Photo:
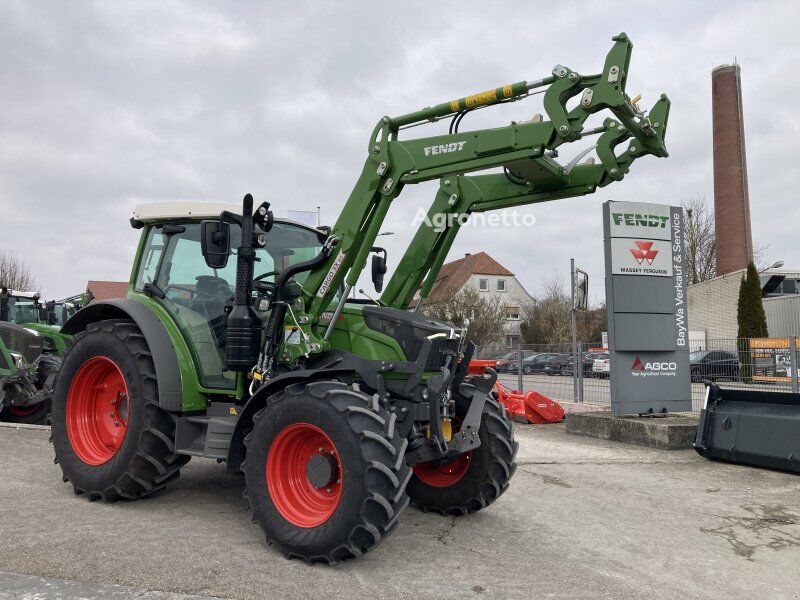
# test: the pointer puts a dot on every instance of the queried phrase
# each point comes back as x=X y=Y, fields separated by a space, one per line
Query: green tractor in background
x=27 y=375
x=238 y=340
x=35 y=346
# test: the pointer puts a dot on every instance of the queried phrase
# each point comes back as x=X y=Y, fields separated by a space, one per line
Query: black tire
x=38 y=414
x=145 y=461
x=490 y=468
x=373 y=471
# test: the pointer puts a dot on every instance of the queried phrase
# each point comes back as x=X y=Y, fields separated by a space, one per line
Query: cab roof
x=160 y=211
x=154 y=212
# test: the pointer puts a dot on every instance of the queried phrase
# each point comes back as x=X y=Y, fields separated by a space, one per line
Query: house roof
x=107 y=290
x=453 y=275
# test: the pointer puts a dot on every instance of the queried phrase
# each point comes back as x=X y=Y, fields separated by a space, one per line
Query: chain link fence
x=758 y=364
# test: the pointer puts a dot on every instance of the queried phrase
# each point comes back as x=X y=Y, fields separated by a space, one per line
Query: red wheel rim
x=97 y=410
x=301 y=500
x=442 y=475
x=24 y=411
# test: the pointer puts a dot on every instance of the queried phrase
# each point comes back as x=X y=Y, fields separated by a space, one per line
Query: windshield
x=23 y=310
x=698 y=355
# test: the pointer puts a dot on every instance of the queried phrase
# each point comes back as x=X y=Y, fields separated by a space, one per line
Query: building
x=106 y=290
x=713 y=304
x=488 y=277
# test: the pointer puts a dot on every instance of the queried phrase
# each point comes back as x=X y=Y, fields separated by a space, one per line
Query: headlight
x=19 y=360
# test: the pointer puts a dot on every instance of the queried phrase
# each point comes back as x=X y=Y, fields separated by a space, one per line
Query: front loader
x=238 y=340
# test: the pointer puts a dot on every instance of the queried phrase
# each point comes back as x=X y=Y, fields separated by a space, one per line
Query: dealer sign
x=646 y=304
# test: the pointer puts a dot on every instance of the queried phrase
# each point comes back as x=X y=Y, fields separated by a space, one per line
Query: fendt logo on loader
x=444 y=148
x=648 y=369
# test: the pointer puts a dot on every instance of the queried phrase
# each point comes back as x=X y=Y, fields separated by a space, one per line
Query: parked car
x=588 y=362
x=557 y=365
x=536 y=363
x=601 y=367
x=714 y=364
x=512 y=365
x=503 y=361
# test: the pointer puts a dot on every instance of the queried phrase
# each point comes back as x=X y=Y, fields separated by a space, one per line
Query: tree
x=751 y=316
x=700 y=240
x=547 y=320
x=487 y=317
x=14 y=272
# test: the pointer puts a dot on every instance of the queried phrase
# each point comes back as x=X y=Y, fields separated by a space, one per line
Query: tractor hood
x=21 y=340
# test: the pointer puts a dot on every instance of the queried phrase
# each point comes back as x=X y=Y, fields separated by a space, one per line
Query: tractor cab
x=21 y=307
x=171 y=270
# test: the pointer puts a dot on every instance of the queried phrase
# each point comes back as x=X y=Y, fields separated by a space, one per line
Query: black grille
x=21 y=340
x=410 y=330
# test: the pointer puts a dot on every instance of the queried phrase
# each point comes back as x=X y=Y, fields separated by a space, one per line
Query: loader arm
x=521 y=148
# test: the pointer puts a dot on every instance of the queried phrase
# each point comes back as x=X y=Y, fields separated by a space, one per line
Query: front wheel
x=475 y=479
x=325 y=471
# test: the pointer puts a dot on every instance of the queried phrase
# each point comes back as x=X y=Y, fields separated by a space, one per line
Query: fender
x=170 y=392
x=259 y=400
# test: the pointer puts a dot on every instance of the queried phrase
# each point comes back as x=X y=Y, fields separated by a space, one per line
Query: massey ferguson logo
x=649 y=369
x=644 y=252
x=444 y=148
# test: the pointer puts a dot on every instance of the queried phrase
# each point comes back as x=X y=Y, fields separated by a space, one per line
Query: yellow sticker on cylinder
x=454 y=105
x=482 y=98
x=507 y=91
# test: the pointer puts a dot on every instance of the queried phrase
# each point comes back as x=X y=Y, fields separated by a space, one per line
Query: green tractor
x=27 y=375
x=238 y=340
x=27 y=325
x=26 y=308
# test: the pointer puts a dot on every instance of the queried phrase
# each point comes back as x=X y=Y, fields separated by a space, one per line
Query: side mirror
x=378 y=269
x=581 y=290
x=215 y=243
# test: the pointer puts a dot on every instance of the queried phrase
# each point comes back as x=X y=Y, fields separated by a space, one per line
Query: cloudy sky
x=105 y=105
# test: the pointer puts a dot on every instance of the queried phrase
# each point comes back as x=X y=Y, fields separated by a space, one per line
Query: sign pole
x=574 y=333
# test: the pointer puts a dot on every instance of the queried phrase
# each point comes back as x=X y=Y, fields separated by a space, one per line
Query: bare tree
x=487 y=317
x=14 y=272
x=547 y=320
x=700 y=239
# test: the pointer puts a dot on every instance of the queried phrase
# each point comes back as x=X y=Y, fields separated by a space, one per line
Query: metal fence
x=766 y=364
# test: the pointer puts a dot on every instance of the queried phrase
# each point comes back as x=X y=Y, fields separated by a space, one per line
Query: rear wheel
x=475 y=479
x=110 y=437
x=325 y=471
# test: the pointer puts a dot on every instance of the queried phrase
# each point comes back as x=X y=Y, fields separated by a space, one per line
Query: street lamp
x=778 y=264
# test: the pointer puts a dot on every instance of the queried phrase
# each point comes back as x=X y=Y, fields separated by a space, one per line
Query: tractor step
x=204 y=435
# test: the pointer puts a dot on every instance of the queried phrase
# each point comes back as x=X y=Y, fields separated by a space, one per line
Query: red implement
x=528 y=407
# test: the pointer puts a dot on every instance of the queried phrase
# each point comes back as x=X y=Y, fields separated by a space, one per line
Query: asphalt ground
x=583 y=518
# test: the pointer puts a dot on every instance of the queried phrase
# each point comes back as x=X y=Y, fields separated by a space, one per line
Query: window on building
x=483 y=285
x=511 y=341
x=501 y=285
x=512 y=313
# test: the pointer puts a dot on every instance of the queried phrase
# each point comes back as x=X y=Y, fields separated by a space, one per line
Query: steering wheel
x=258 y=278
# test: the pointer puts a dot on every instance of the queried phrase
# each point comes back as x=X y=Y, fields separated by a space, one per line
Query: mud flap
x=750 y=427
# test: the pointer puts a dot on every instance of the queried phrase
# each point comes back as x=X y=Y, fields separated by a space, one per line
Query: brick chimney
x=731 y=197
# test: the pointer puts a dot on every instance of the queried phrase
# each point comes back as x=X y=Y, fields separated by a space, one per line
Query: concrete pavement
x=583 y=518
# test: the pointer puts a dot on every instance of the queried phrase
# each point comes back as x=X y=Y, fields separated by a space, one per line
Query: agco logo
x=637 y=220
x=444 y=148
x=645 y=369
x=644 y=252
